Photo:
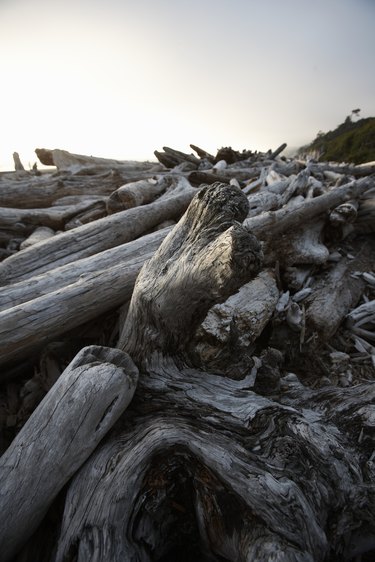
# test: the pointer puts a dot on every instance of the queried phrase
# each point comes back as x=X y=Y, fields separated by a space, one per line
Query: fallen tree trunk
x=29 y=326
x=92 y=238
x=53 y=217
x=60 y=435
x=131 y=254
x=134 y=194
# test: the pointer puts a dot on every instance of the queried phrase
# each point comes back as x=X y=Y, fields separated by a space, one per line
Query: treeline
x=352 y=141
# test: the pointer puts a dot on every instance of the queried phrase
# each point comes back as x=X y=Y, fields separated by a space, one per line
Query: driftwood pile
x=187 y=355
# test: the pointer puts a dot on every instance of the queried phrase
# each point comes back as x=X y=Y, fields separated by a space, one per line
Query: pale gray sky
x=121 y=78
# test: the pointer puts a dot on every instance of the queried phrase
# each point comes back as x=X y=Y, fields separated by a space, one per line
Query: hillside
x=351 y=141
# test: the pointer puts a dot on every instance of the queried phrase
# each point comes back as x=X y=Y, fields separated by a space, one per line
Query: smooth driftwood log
x=60 y=435
x=63 y=159
x=53 y=217
x=29 y=326
x=134 y=194
x=92 y=238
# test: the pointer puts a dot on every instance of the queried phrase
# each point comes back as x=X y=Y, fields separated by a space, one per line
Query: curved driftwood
x=60 y=435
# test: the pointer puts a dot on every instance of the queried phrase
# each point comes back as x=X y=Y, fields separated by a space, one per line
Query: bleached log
x=92 y=238
x=273 y=223
x=42 y=191
x=335 y=294
x=358 y=171
x=64 y=160
x=131 y=254
x=225 y=257
x=94 y=212
x=223 y=342
x=60 y=435
x=40 y=234
x=134 y=194
x=29 y=326
x=53 y=217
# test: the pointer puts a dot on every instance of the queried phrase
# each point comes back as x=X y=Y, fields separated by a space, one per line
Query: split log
x=92 y=238
x=60 y=435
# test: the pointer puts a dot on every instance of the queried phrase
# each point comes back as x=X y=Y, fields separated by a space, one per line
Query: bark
x=60 y=435
x=92 y=238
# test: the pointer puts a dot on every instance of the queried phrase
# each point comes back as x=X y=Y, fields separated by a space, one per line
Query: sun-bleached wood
x=92 y=238
x=60 y=435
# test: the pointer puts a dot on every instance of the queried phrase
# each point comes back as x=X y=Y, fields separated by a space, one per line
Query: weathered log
x=42 y=191
x=29 y=326
x=131 y=254
x=134 y=194
x=225 y=257
x=336 y=293
x=92 y=238
x=63 y=159
x=294 y=217
x=40 y=234
x=224 y=341
x=53 y=217
x=60 y=435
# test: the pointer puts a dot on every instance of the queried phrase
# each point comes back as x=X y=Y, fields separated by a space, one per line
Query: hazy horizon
x=119 y=79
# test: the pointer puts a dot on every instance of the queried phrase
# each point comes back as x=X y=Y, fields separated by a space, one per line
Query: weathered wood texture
x=92 y=238
x=61 y=434
x=224 y=453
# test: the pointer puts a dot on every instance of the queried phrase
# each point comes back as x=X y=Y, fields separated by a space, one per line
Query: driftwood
x=60 y=435
x=92 y=238
x=246 y=321
x=63 y=159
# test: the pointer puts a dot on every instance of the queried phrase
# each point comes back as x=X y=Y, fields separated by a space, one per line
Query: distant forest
x=352 y=141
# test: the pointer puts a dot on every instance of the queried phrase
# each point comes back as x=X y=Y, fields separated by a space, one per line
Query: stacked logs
x=245 y=333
